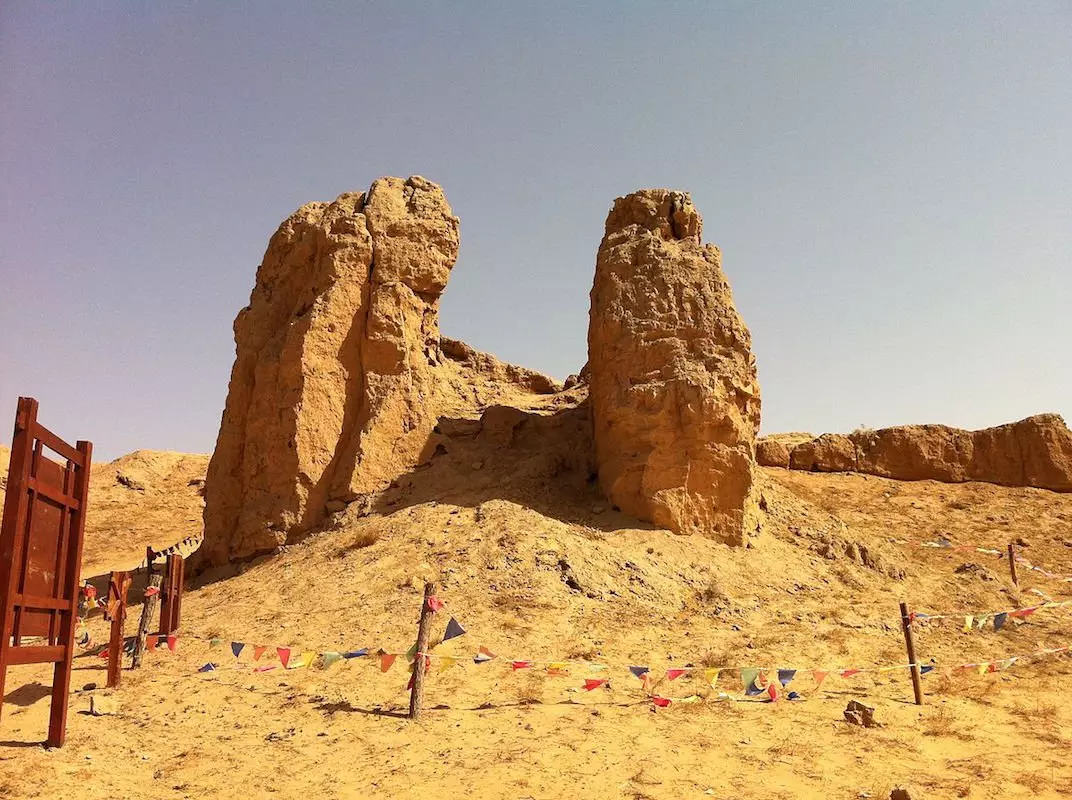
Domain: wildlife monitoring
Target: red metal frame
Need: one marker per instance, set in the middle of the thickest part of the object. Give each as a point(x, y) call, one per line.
point(41, 555)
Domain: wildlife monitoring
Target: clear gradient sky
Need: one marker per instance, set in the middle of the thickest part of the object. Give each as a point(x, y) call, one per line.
point(891, 186)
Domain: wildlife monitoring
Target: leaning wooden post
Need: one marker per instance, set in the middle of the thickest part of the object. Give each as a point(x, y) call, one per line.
point(1012, 565)
point(148, 610)
point(117, 609)
point(424, 632)
point(910, 645)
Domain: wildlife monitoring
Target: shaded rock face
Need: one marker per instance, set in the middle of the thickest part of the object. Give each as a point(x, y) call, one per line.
point(674, 395)
point(1036, 452)
point(333, 364)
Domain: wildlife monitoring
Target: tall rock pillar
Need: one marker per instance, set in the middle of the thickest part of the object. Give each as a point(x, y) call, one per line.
point(674, 395)
point(329, 393)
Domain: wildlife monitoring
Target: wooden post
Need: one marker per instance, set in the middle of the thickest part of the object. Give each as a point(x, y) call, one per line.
point(1012, 565)
point(910, 645)
point(117, 594)
point(148, 611)
point(424, 631)
point(171, 595)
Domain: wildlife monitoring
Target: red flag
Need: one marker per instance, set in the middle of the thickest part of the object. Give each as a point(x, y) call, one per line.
point(672, 674)
point(661, 702)
point(848, 673)
point(521, 664)
point(284, 655)
point(151, 641)
point(820, 676)
point(772, 690)
point(386, 660)
point(434, 604)
point(152, 591)
point(258, 651)
point(593, 683)
point(172, 641)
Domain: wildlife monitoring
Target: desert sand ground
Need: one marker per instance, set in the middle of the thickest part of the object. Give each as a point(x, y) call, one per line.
point(575, 580)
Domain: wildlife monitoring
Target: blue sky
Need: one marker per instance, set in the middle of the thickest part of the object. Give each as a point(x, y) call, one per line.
point(891, 186)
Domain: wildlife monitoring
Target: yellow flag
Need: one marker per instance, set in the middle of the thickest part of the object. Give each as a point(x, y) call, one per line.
point(692, 698)
point(711, 675)
point(557, 667)
point(968, 623)
point(446, 662)
point(982, 668)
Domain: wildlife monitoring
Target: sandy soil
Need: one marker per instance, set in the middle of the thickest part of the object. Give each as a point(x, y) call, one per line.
point(575, 580)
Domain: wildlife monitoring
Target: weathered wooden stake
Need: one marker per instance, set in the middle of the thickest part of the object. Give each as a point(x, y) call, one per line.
point(910, 645)
point(1012, 565)
point(424, 631)
point(148, 611)
point(117, 592)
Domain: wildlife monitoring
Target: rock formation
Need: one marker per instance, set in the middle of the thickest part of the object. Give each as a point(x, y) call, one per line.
point(772, 453)
point(329, 389)
point(831, 452)
point(674, 396)
point(1036, 451)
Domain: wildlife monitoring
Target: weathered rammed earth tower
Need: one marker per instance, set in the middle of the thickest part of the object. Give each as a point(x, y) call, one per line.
point(674, 394)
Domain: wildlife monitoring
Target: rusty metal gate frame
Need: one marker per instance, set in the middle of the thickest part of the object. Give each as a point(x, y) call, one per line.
point(40, 562)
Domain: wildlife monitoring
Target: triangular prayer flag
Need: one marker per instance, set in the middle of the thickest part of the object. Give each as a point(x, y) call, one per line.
point(557, 668)
point(151, 591)
point(356, 653)
point(412, 678)
point(692, 698)
point(820, 676)
point(672, 674)
point(982, 668)
point(215, 642)
point(661, 702)
point(284, 655)
point(597, 667)
point(265, 667)
point(711, 675)
point(593, 683)
point(786, 675)
point(236, 648)
point(386, 660)
point(968, 623)
point(330, 658)
point(207, 667)
point(521, 664)
point(258, 651)
point(454, 630)
point(172, 641)
point(748, 678)
point(151, 641)
point(483, 655)
point(848, 673)
point(639, 672)
point(446, 662)
point(411, 654)
point(999, 621)
point(925, 669)
point(308, 659)
point(434, 604)
point(772, 690)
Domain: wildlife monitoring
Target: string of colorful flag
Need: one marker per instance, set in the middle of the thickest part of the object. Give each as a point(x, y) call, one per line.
point(978, 620)
point(758, 682)
point(941, 543)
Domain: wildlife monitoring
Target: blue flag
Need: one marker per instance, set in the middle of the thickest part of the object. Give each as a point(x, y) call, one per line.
point(926, 669)
point(356, 653)
point(207, 668)
point(454, 630)
point(999, 620)
point(786, 675)
point(639, 672)
point(236, 648)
